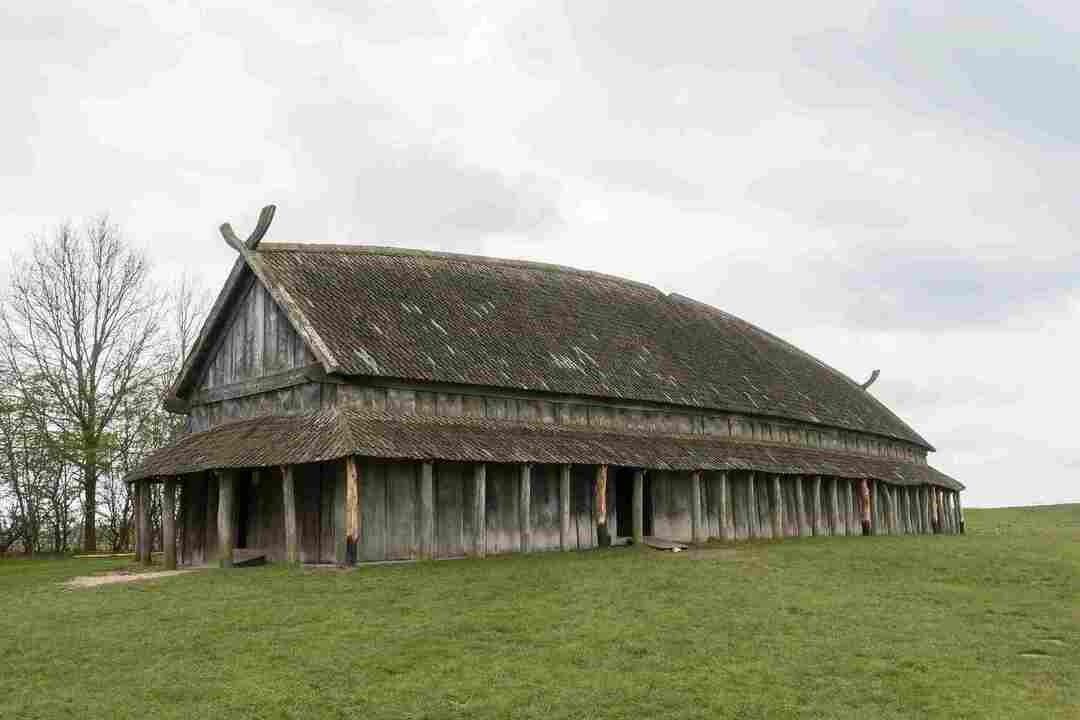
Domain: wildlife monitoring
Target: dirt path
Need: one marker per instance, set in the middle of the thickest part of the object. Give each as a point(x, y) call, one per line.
point(120, 576)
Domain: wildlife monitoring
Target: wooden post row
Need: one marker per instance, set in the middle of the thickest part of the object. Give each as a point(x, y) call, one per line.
point(168, 523)
point(225, 517)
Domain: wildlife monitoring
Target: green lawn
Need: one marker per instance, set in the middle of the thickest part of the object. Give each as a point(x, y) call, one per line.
point(983, 625)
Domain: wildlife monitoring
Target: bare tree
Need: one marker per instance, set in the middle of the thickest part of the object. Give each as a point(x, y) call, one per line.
point(82, 319)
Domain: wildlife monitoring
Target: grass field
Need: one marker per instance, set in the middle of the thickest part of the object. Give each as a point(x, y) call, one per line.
point(986, 625)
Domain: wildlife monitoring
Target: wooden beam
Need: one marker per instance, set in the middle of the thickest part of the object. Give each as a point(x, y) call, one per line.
point(727, 520)
point(524, 506)
point(819, 515)
point(288, 493)
point(864, 506)
point(225, 517)
point(564, 507)
point(836, 526)
point(352, 510)
point(427, 511)
point(777, 508)
point(959, 512)
point(800, 508)
point(168, 523)
point(639, 506)
point(697, 530)
point(603, 535)
point(752, 530)
point(144, 526)
point(479, 509)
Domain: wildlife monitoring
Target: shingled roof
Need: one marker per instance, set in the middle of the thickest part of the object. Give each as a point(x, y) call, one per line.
point(461, 319)
point(336, 433)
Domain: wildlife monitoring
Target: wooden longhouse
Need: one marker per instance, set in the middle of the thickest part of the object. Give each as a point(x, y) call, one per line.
point(351, 404)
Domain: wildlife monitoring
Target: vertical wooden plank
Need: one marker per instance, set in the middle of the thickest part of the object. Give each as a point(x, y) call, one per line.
point(479, 505)
point(697, 530)
point(763, 491)
point(800, 508)
point(427, 511)
point(168, 523)
point(225, 518)
point(639, 506)
point(818, 527)
point(372, 491)
point(928, 525)
point(777, 508)
point(544, 508)
point(524, 510)
point(565, 508)
point(603, 533)
point(753, 530)
point(352, 510)
point(959, 513)
point(727, 513)
point(450, 510)
point(142, 505)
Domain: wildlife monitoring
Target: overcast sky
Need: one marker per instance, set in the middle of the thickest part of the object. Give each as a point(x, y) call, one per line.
point(885, 185)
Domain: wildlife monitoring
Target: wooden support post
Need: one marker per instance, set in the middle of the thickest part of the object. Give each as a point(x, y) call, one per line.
point(928, 521)
point(565, 501)
point(639, 506)
point(168, 523)
point(142, 522)
point(340, 513)
point(525, 489)
point(697, 529)
point(885, 509)
point(800, 508)
point(480, 509)
point(866, 511)
point(875, 508)
point(815, 499)
point(835, 525)
point(740, 517)
point(225, 517)
point(603, 536)
point(777, 508)
point(352, 510)
point(288, 494)
point(752, 530)
point(946, 504)
point(427, 511)
point(727, 520)
point(959, 513)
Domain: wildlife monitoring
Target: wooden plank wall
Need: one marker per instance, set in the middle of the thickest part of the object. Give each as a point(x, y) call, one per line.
point(257, 340)
point(671, 505)
point(389, 509)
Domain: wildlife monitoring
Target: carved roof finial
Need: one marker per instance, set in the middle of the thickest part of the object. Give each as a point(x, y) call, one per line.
point(873, 377)
point(266, 216)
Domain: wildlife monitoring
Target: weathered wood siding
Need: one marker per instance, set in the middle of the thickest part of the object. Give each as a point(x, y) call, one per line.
point(671, 498)
point(257, 340)
point(417, 399)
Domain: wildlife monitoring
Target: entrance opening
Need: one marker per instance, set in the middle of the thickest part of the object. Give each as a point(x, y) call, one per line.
point(245, 494)
point(647, 524)
point(624, 503)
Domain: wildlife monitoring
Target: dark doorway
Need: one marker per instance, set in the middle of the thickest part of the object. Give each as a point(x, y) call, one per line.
point(647, 524)
point(624, 501)
point(245, 494)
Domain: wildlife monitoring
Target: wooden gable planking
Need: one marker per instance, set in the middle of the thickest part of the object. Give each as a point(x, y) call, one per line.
point(256, 339)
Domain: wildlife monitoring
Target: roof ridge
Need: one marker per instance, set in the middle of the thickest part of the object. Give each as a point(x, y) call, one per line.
point(271, 247)
point(791, 346)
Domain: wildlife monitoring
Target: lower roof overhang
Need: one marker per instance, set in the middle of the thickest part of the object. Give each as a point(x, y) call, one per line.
point(333, 434)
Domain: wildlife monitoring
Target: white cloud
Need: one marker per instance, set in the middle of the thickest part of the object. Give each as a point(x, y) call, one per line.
point(825, 170)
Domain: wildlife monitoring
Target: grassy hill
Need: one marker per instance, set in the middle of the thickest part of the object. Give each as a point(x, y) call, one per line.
point(983, 625)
